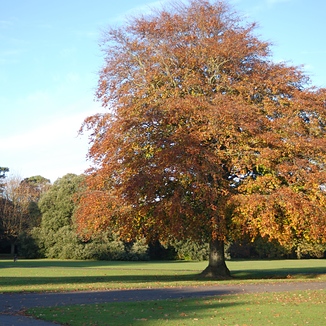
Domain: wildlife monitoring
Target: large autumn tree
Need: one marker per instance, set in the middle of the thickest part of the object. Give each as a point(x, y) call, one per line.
point(205, 136)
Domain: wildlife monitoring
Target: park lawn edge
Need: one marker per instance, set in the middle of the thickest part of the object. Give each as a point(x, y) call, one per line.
point(34, 276)
point(180, 284)
point(270, 306)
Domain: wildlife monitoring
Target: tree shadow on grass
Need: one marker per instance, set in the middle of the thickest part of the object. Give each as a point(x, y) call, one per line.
point(277, 273)
point(25, 281)
point(34, 263)
point(135, 313)
point(137, 278)
point(20, 301)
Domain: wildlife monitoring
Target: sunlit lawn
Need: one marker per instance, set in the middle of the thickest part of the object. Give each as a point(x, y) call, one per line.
point(293, 308)
point(56, 275)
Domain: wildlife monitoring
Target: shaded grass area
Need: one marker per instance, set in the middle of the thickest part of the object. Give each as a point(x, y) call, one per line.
point(292, 308)
point(57, 275)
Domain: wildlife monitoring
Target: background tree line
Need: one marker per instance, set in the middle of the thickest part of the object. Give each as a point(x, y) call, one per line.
point(37, 221)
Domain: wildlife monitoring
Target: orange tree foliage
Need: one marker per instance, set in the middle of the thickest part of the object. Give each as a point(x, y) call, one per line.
point(204, 135)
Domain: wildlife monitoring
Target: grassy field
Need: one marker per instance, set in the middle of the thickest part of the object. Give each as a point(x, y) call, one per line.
point(291, 308)
point(56, 275)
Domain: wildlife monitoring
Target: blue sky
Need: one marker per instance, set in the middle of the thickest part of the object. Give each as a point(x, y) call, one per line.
point(49, 59)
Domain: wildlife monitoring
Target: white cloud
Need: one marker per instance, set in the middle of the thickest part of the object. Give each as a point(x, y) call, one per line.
point(44, 135)
point(51, 150)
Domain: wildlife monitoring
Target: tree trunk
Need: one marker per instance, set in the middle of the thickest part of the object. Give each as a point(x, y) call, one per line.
point(12, 248)
point(216, 268)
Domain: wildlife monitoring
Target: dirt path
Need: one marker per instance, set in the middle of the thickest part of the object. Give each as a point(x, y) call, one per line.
point(11, 304)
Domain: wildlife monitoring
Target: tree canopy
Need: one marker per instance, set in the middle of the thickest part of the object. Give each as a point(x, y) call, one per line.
point(57, 207)
point(18, 208)
point(205, 136)
point(3, 172)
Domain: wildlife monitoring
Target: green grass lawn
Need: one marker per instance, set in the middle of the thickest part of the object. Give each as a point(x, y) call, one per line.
point(56, 275)
point(291, 308)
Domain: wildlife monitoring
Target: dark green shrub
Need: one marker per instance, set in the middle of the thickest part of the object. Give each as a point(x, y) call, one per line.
point(240, 249)
point(259, 248)
point(139, 250)
point(65, 244)
point(27, 246)
point(109, 247)
point(113, 250)
point(306, 249)
point(270, 249)
point(190, 250)
point(157, 251)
